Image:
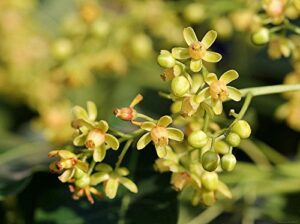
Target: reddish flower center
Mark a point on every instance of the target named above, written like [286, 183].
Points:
[95, 138]
[218, 90]
[197, 50]
[159, 135]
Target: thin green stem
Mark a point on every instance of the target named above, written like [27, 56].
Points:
[124, 151]
[206, 121]
[266, 90]
[119, 133]
[93, 163]
[145, 117]
[244, 109]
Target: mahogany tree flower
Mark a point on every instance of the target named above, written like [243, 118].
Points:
[159, 134]
[197, 50]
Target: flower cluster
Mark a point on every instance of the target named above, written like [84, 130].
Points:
[194, 150]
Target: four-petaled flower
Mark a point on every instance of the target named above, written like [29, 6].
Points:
[159, 134]
[197, 50]
[218, 91]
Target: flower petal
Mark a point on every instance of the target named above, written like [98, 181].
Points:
[147, 125]
[104, 168]
[234, 93]
[102, 125]
[164, 121]
[66, 175]
[143, 141]
[129, 184]
[204, 93]
[212, 57]
[122, 171]
[99, 153]
[161, 151]
[65, 154]
[210, 78]
[217, 106]
[189, 35]
[196, 65]
[92, 110]
[79, 140]
[229, 76]
[79, 113]
[99, 177]
[112, 141]
[111, 188]
[209, 38]
[175, 134]
[180, 53]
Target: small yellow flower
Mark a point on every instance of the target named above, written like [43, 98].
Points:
[218, 91]
[197, 50]
[159, 134]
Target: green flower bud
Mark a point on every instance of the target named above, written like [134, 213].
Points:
[83, 181]
[221, 147]
[62, 49]
[208, 198]
[262, 36]
[242, 128]
[165, 59]
[228, 162]
[210, 161]
[233, 139]
[197, 139]
[210, 181]
[180, 86]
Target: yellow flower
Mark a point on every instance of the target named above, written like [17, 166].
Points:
[197, 50]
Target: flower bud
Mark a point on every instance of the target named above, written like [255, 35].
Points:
[125, 113]
[233, 139]
[179, 180]
[83, 181]
[197, 139]
[180, 86]
[165, 59]
[62, 49]
[210, 161]
[228, 162]
[221, 147]
[210, 180]
[242, 128]
[262, 36]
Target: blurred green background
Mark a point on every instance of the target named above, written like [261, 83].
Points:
[57, 54]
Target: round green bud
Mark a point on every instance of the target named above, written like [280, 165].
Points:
[83, 181]
[197, 139]
[62, 49]
[210, 180]
[194, 12]
[180, 86]
[221, 147]
[233, 139]
[262, 36]
[166, 60]
[210, 161]
[242, 128]
[228, 162]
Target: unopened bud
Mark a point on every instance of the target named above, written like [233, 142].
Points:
[125, 113]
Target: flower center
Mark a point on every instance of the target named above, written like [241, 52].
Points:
[275, 8]
[197, 50]
[159, 135]
[218, 90]
[95, 138]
